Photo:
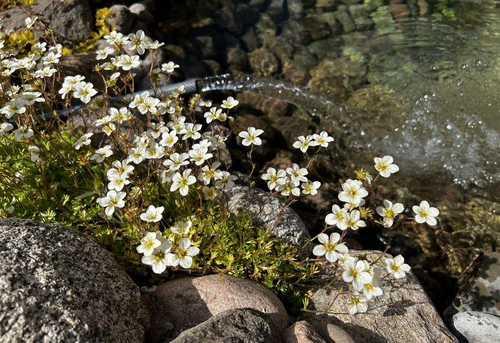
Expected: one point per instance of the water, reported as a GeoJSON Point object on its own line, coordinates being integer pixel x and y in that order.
{"type": "Point", "coordinates": [443, 68]}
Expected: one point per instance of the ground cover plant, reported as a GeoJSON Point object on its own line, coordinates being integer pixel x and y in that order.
{"type": "Point", "coordinates": [147, 176]}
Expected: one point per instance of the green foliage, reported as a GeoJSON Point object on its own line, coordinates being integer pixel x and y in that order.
{"type": "Point", "coordinates": [59, 188]}
{"type": "Point", "coordinates": [233, 245]}
{"type": "Point", "coordinates": [63, 187]}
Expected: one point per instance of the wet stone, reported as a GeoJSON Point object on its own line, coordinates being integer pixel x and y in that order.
{"type": "Point", "coordinates": [477, 327]}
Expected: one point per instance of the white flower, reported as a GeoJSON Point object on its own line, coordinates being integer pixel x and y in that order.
{"type": "Point", "coordinates": [322, 139]}
{"type": "Point", "coordinates": [102, 54]}
{"type": "Point", "coordinates": [102, 153]}
{"type": "Point", "coordinates": [154, 151]}
{"type": "Point", "coordinates": [355, 272]}
{"type": "Point", "coordinates": [12, 108]}
{"type": "Point", "coordinates": [200, 155]}
{"type": "Point", "coordinates": [311, 187]}
{"type": "Point", "coordinates": [352, 192]}
{"type": "Point", "coordinates": [116, 38]}
{"type": "Point", "coordinates": [158, 260]}
{"type": "Point", "coordinates": [120, 169]}
{"type": "Point", "coordinates": [389, 212]}
{"type": "Point", "coordinates": [225, 180]}
{"type": "Point", "coordinates": [153, 214]}
{"type": "Point", "coordinates": [251, 136]}
{"type": "Point", "coordinates": [289, 188]}
{"type": "Point", "coordinates": [357, 304]}
{"type": "Point", "coordinates": [139, 101]}
{"type": "Point", "coordinates": [29, 22]}
{"type": "Point", "coordinates": [34, 153]}
{"type": "Point", "coordinates": [183, 254]}
{"type": "Point", "coordinates": [69, 84]}
{"type": "Point", "coordinates": [297, 174]}
{"type": "Point", "coordinates": [136, 155]}
{"type": "Point", "coordinates": [109, 128]}
{"type": "Point", "coordinates": [274, 178]}
{"type": "Point", "coordinates": [425, 213]}
{"type": "Point", "coordinates": [168, 139]}
{"type": "Point", "coordinates": [46, 71]}
{"type": "Point", "coordinates": [112, 200]}
{"type": "Point", "coordinates": [149, 104]}
{"type": "Point", "coordinates": [182, 182]}
{"type": "Point", "coordinates": [138, 42]}
{"type": "Point", "coordinates": [148, 244]}
{"type": "Point", "coordinates": [118, 182]}
{"type": "Point", "coordinates": [182, 227]}
{"type": "Point", "coordinates": [370, 291]}
{"type": "Point", "coordinates": [209, 193]}
{"type": "Point", "coordinates": [353, 220]}
{"type": "Point", "coordinates": [210, 173]}
{"type": "Point", "coordinates": [127, 62]}
{"type": "Point", "coordinates": [84, 91]}
{"type": "Point", "coordinates": [23, 134]}
{"type": "Point", "coordinates": [338, 217]}
{"type": "Point", "coordinates": [192, 131]}
{"type": "Point", "coordinates": [169, 67]}
{"type": "Point", "coordinates": [330, 247]}
{"type": "Point", "coordinates": [176, 161]}
{"type": "Point", "coordinates": [214, 114]}
{"type": "Point", "coordinates": [119, 115]}
{"type": "Point", "coordinates": [385, 166]}
{"type": "Point", "coordinates": [205, 103]}
{"type": "Point", "coordinates": [303, 143]}
{"type": "Point", "coordinates": [397, 267]}
{"type": "Point", "coordinates": [5, 128]}
{"type": "Point", "coordinates": [229, 103]}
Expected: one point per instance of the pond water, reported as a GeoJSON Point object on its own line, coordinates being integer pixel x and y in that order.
{"type": "Point", "coordinates": [416, 79]}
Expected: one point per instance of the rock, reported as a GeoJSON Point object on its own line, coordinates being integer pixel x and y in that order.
{"type": "Point", "coordinates": [484, 293]}
{"type": "Point", "coordinates": [241, 325]}
{"type": "Point", "coordinates": [183, 303]}
{"type": "Point", "coordinates": [71, 20]}
{"type": "Point", "coordinates": [266, 25]}
{"type": "Point", "coordinates": [295, 8]}
{"type": "Point", "coordinates": [57, 286]}
{"type": "Point", "coordinates": [477, 327]}
{"type": "Point", "coordinates": [237, 59]}
{"type": "Point", "coordinates": [250, 39]}
{"type": "Point", "coordinates": [322, 48]}
{"type": "Point", "coordinates": [301, 125]}
{"type": "Point", "coordinates": [335, 76]}
{"type": "Point", "coordinates": [276, 9]}
{"type": "Point", "coordinates": [331, 20]}
{"type": "Point", "coordinates": [403, 314]}
{"type": "Point", "coordinates": [331, 332]}
{"type": "Point", "coordinates": [302, 332]}
{"type": "Point", "coordinates": [315, 27]}
{"type": "Point", "coordinates": [121, 19]}
{"type": "Point", "coordinates": [399, 11]}
{"type": "Point", "coordinates": [326, 4]}
{"type": "Point", "coordinates": [246, 14]}
{"type": "Point", "coordinates": [206, 46]}
{"type": "Point", "coordinates": [345, 20]}
{"type": "Point", "coordinates": [226, 19]}
{"type": "Point", "coordinates": [267, 211]}
{"type": "Point", "coordinates": [334, 332]}
{"type": "Point", "coordinates": [273, 107]}
{"type": "Point", "coordinates": [263, 62]}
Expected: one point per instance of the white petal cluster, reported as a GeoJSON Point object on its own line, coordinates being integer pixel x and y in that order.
{"type": "Point", "coordinates": [291, 181]}
{"type": "Point", "coordinates": [173, 248]}
{"type": "Point", "coordinates": [303, 143]}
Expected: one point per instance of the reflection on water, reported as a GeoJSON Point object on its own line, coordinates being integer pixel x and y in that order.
{"type": "Point", "coordinates": [446, 73]}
